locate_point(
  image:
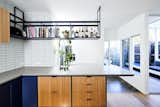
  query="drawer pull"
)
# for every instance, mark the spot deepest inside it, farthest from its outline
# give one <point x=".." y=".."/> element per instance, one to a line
<point x="88" y="84"/>
<point x="89" y="92"/>
<point x="88" y="76"/>
<point x="54" y="76"/>
<point x="89" y="99"/>
<point x="54" y="92"/>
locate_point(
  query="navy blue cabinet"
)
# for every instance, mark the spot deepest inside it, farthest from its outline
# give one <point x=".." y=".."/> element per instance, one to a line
<point x="16" y="87"/>
<point x="29" y="91"/>
<point x="5" y="95"/>
<point x="10" y="93"/>
<point x="20" y="92"/>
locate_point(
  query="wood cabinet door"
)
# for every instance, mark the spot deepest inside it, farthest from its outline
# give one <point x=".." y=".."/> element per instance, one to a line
<point x="89" y="91"/>
<point x="44" y="91"/>
<point x="54" y="91"/>
<point x="61" y="91"/>
<point x="1" y="28"/>
<point x="4" y="25"/>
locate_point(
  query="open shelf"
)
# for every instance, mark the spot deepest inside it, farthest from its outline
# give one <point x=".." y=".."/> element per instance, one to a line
<point x="53" y="38"/>
<point x="44" y="30"/>
<point x="56" y="38"/>
<point x="41" y="38"/>
<point x="89" y="38"/>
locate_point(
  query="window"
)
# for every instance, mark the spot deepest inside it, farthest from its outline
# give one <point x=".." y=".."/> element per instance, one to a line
<point x="106" y="50"/>
<point x="125" y="53"/>
<point x="106" y="53"/>
<point x="157" y="48"/>
<point x="114" y="51"/>
<point x="154" y="38"/>
<point x="152" y="46"/>
<point x="136" y="52"/>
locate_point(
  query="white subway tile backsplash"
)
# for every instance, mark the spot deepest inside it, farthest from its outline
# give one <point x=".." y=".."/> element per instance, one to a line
<point x="11" y="55"/>
<point x="39" y="53"/>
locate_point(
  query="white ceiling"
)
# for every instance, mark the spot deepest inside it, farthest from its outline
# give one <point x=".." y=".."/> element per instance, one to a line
<point x="114" y="12"/>
<point x="118" y="12"/>
<point x="62" y="9"/>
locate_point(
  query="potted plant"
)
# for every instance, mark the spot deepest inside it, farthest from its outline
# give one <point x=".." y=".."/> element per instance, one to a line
<point x="66" y="34"/>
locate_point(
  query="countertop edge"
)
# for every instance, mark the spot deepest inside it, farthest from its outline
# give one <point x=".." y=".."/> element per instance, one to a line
<point x="10" y="75"/>
<point x="13" y="74"/>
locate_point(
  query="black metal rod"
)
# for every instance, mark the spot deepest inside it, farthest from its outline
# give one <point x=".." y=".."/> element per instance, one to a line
<point x="17" y="24"/>
<point x="12" y="21"/>
<point x="62" y="22"/>
<point x="58" y="25"/>
<point x="16" y="17"/>
<point x="23" y="22"/>
<point x="16" y="8"/>
<point x="20" y="21"/>
<point x="98" y="13"/>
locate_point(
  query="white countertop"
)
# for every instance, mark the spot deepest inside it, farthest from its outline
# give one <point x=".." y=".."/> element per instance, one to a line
<point x="74" y="70"/>
<point x="82" y="69"/>
<point x="10" y="75"/>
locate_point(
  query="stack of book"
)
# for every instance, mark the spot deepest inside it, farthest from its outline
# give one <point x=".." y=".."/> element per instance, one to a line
<point x="42" y="32"/>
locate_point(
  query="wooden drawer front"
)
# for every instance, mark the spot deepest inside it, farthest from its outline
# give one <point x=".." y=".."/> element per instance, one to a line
<point x="89" y="91"/>
<point x="44" y="91"/>
<point x="61" y="91"/>
<point x="4" y="25"/>
<point x="1" y="28"/>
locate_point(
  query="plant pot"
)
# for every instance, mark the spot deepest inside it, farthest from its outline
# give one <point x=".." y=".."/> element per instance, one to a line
<point x="66" y="34"/>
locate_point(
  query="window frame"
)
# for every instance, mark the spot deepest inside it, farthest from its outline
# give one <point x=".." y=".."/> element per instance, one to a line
<point x="122" y="52"/>
<point x="155" y="31"/>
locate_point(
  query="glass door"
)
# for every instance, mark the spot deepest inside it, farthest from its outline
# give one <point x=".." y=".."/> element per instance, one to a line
<point x="125" y="53"/>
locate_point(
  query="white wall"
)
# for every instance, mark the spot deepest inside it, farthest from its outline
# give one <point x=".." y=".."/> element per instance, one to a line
<point x="88" y="51"/>
<point x="2" y="3"/>
<point x="138" y="26"/>
<point x="110" y="34"/>
<point x="7" y="4"/>
<point x="39" y="16"/>
<point x="44" y="53"/>
<point x="12" y="53"/>
<point x="39" y="53"/>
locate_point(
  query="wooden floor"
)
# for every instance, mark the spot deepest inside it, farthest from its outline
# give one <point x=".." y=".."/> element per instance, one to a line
<point x="121" y="94"/>
<point x="153" y="84"/>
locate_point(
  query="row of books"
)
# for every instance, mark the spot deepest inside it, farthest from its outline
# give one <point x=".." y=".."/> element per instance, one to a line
<point x="42" y="32"/>
<point x="53" y="32"/>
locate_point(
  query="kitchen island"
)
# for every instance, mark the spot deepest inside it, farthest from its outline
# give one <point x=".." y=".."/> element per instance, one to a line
<point x="83" y="85"/>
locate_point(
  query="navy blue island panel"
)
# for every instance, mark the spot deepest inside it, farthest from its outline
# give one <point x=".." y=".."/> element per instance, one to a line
<point x="5" y="95"/>
<point x="16" y="87"/>
<point x="10" y="93"/>
<point x="29" y="91"/>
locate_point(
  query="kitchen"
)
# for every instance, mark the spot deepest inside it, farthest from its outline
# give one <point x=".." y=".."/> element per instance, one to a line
<point x="54" y="56"/>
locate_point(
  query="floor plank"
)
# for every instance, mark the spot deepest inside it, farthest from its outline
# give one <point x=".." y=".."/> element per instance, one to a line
<point x="120" y="94"/>
<point x="153" y="84"/>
